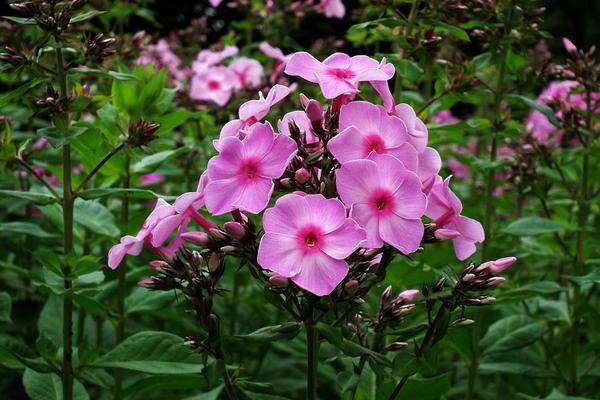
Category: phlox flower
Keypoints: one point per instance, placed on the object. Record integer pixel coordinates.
(161, 55)
(339, 73)
(366, 128)
(241, 176)
(215, 84)
(307, 239)
(151, 179)
(444, 208)
(248, 72)
(252, 112)
(332, 8)
(445, 117)
(385, 199)
(304, 125)
(209, 58)
(215, 3)
(133, 245)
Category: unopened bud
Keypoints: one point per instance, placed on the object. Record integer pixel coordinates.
(302, 175)
(213, 262)
(146, 283)
(395, 346)
(408, 296)
(235, 229)
(498, 266)
(386, 295)
(487, 300)
(439, 285)
(228, 249)
(285, 182)
(217, 233)
(495, 281)
(351, 286)
(314, 111)
(468, 278)
(569, 46)
(159, 264)
(199, 238)
(279, 281)
(304, 100)
(459, 323)
(196, 259)
(446, 234)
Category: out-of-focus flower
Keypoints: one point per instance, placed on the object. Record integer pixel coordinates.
(332, 8)
(248, 72)
(307, 239)
(161, 55)
(385, 199)
(241, 176)
(214, 84)
(444, 208)
(151, 179)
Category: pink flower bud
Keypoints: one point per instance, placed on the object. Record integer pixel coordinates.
(304, 100)
(408, 296)
(279, 281)
(569, 46)
(285, 182)
(146, 283)
(235, 229)
(302, 175)
(217, 233)
(159, 264)
(351, 286)
(199, 238)
(446, 234)
(495, 281)
(213, 262)
(501, 265)
(314, 111)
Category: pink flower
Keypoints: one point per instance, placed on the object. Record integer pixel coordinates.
(304, 125)
(215, 3)
(208, 58)
(332, 8)
(386, 201)
(161, 55)
(445, 117)
(151, 179)
(40, 143)
(444, 209)
(273, 52)
(215, 84)
(252, 112)
(569, 46)
(132, 245)
(366, 128)
(248, 72)
(307, 238)
(339, 73)
(241, 176)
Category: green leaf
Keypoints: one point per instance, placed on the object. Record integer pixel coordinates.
(5, 307)
(34, 197)
(531, 226)
(448, 28)
(58, 139)
(153, 161)
(531, 103)
(152, 353)
(95, 217)
(86, 16)
(28, 228)
(144, 300)
(285, 331)
(592, 277)
(405, 68)
(425, 388)
(212, 395)
(405, 364)
(348, 347)
(119, 76)
(49, 387)
(515, 368)
(513, 332)
(6, 98)
(530, 290)
(20, 20)
(131, 193)
(172, 120)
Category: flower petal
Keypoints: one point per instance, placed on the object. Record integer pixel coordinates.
(367, 220)
(279, 253)
(342, 242)
(403, 234)
(320, 274)
(304, 65)
(355, 181)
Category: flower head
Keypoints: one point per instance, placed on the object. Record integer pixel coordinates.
(386, 200)
(241, 176)
(444, 208)
(214, 84)
(248, 72)
(332, 8)
(339, 73)
(307, 239)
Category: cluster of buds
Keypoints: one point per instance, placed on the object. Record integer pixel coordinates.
(14, 58)
(51, 102)
(141, 133)
(580, 66)
(98, 48)
(53, 16)
(522, 170)
(393, 309)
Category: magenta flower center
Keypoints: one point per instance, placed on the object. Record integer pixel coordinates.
(214, 85)
(382, 202)
(309, 237)
(341, 73)
(250, 169)
(373, 142)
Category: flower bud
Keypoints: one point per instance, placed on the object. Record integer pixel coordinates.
(468, 278)
(285, 182)
(213, 262)
(159, 264)
(459, 323)
(446, 234)
(501, 265)
(495, 281)
(304, 100)
(487, 300)
(302, 175)
(314, 111)
(395, 346)
(569, 46)
(196, 259)
(228, 249)
(351, 286)
(279, 281)
(199, 238)
(146, 283)
(235, 229)
(217, 233)
(386, 295)
(408, 296)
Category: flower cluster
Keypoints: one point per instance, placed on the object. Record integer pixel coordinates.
(355, 181)
(329, 8)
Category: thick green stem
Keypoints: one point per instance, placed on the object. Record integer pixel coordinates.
(312, 358)
(67, 362)
(122, 274)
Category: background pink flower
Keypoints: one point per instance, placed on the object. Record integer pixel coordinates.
(215, 84)
(248, 72)
(307, 239)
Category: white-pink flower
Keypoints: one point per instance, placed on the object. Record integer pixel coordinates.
(307, 239)
(385, 199)
(214, 84)
(332, 8)
(248, 72)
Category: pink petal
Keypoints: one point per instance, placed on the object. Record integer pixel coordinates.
(305, 66)
(338, 60)
(277, 159)
(116, 255)
(410, 202)
(164, 228)
(342, 242)
(463, 248)
(470, 228)
(254, 196)
(355, 181)
(390, 171)
(403, 234)
(221, 194)
(259, 141)
(227, 163)
(290, 213)
(361, 114)
(186, 200)
(348, 145)
(383, 89)
(430, 163)
(277, 93)
(279, 253)
(333, 87)
(408, 155)
(328, 214)
(392, 129)
(320, 274)
(365, 217)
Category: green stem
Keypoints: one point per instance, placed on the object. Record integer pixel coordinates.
(122, 289)
(93, 172)
(312, 358)
(67, 362)
(229, 386)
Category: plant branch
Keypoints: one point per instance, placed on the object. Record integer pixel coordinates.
(98, 166)
(40, 178)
